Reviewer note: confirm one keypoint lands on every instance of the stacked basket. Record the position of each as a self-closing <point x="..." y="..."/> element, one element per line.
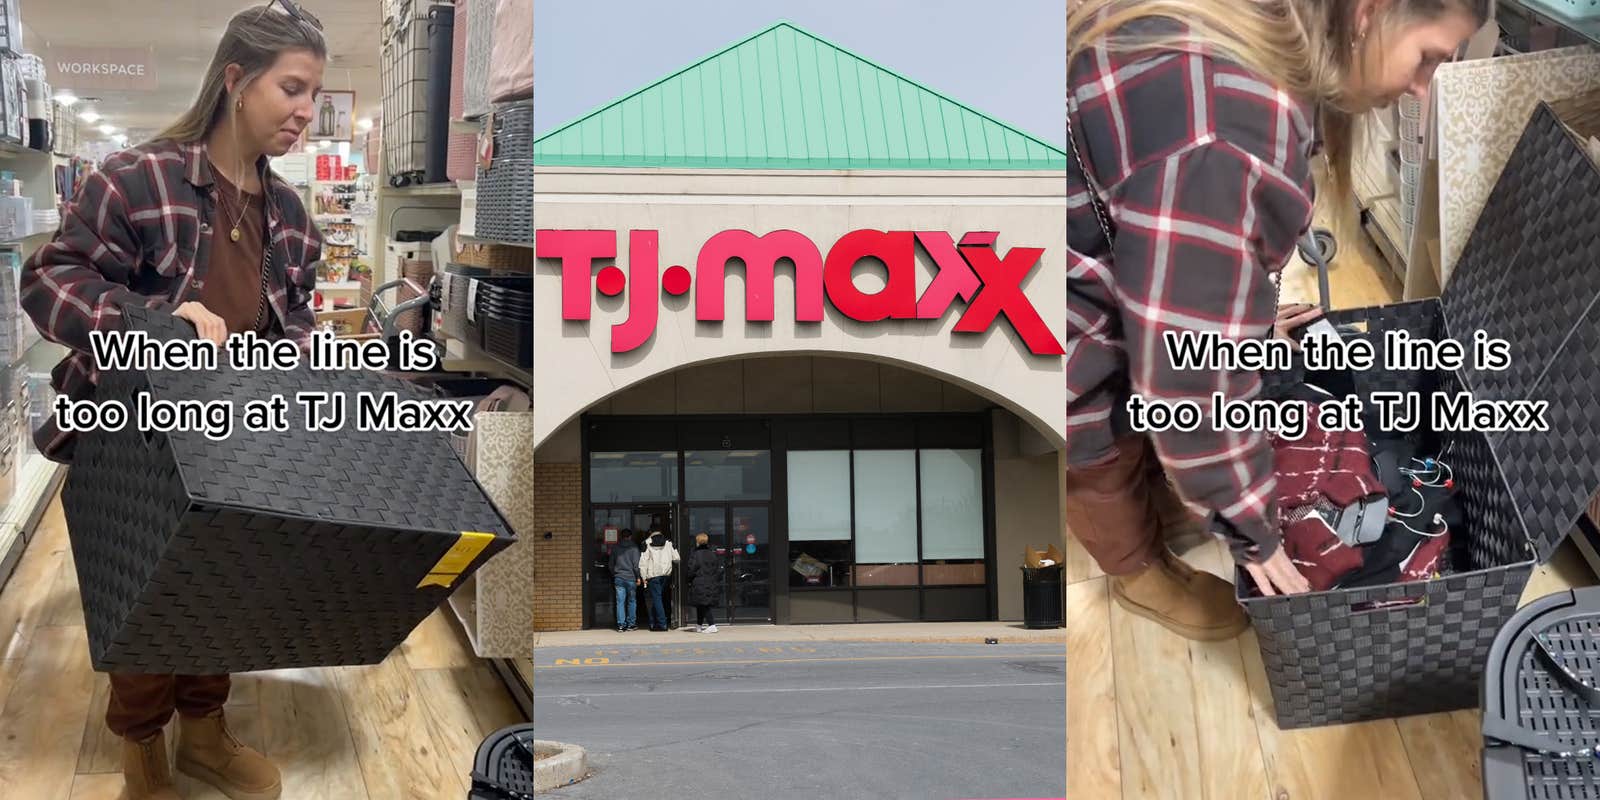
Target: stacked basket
<point x="505" y="188"/>
<point x="1409" y="137"/>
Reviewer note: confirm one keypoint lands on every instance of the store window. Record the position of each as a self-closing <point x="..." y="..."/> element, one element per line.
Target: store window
<point x="886" y="518"/>
<point x="952" y="517"/>
<point x="819" y="518"/>
<point x="723" y="475"/>
<point x="633" y="477"/>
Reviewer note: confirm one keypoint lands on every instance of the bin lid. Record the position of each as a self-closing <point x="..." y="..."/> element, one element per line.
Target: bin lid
<point x="410" y="480"/>
<point x="1530" y="275"/>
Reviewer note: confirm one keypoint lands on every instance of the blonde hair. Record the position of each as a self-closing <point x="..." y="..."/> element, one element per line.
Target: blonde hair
<point x="701" y="538"/>
<point x="1304" y="46"/>
<point x="254" y="39"/>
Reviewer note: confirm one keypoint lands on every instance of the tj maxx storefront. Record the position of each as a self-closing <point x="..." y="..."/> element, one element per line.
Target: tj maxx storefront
<point x="819" y="321"/>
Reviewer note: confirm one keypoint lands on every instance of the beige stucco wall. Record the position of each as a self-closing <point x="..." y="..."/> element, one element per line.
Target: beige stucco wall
<point x="575" y="368"/>
<point x="1027" y="506"/>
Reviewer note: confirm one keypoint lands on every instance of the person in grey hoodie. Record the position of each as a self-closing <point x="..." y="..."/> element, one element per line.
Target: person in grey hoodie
<point x="625" y="577"/>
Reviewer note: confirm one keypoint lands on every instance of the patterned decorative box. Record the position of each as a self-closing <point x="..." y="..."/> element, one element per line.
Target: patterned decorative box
<point x="265" y="550"/>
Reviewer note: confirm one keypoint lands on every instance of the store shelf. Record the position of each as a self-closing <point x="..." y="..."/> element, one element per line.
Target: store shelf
<point x="481" y="240"/>
<point x="1588" y="29"/>
<point x="37" y="482"/>
<point x="341" y="286"/>
<point x="466" y="357"/>
<point x="14" y="150"/>
<point x="423" y="190"/>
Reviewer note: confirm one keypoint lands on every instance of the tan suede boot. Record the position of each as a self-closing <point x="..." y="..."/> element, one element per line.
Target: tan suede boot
<point x="145" y="774"/>
<point x="208" y="751"/>
<point x="1193" y="604"/>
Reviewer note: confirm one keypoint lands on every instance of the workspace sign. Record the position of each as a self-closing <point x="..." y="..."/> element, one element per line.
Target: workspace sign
<point x="100" y="68"/>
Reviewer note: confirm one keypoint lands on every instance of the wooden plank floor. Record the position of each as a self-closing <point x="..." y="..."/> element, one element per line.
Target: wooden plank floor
<point x="1151" y="715"/>
<point x="407" y="728"/>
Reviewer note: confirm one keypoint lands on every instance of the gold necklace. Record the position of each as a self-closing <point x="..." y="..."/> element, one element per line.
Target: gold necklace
<point x="239" y="220"/>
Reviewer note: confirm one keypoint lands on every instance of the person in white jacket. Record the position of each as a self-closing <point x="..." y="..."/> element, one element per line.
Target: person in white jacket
<point x="655" y="566"/>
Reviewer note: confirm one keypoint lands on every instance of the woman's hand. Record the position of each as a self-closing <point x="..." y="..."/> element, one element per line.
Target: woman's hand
<point x="1293" y="316"/>
<point x="1278" y="575"/>
<point x="208" y="325"/>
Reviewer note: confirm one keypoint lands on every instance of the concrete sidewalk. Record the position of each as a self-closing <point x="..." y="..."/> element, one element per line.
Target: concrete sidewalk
<point x="942" y="632"/>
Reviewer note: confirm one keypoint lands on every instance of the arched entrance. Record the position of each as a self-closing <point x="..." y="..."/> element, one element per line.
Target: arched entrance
<point x="832" y="489"/>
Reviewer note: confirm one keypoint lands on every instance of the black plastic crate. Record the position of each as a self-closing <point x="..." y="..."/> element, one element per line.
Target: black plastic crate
<point x="1541" y="721"/>
<point x="1528" y="275"/>
<point x="509" y="338"/>
<point x="502" y="769"/>
<point x="264" y="550"/>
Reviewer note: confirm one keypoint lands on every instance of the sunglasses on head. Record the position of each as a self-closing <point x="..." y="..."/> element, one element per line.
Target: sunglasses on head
<point x="297" y="12"/>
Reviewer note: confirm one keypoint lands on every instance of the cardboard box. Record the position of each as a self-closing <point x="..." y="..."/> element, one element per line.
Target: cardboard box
<point x="1034" y="558"/>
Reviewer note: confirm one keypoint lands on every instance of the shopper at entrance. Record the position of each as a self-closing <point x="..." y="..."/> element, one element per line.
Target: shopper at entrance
<point x="655" y="566"/>
<point x="1189" y="182"/>
<point x="704" y="570"/>
<point x="195" y="223"/>
<point x="626" y="580"/>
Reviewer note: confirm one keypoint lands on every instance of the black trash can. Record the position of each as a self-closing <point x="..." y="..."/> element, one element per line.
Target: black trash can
<point x="1043" y="605"/>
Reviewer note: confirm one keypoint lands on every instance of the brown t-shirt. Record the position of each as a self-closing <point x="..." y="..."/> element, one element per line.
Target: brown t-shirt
<point x="233" y="279"/>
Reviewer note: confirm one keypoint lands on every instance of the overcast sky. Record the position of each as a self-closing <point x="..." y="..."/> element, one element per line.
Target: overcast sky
<point x="1007" y="59"/>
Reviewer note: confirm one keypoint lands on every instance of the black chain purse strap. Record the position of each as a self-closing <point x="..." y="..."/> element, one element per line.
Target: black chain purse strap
<point x="1100" y="213"/>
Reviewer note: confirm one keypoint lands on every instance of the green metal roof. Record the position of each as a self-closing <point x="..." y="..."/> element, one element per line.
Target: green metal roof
<point x="786" y="99"/>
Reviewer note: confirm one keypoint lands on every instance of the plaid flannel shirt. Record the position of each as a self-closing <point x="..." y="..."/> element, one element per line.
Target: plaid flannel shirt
<point x="139" y="232"/>
<point x="1204" y="169"/>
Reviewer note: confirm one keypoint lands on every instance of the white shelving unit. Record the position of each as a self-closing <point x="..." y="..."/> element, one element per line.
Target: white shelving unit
<point x="34" y="479"/>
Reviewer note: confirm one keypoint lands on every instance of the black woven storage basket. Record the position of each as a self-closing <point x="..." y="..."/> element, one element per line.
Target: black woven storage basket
<point x="502" y="769"/>
<point x="505" y="188"/>
<point x="1541" y="721"/>
<point x="1528" y="275"/>
<point x="264" y="550"/>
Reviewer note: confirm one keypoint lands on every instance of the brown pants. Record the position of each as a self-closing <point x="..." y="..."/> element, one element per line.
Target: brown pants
<point x="143" y="704"/>
<point x="1110" y="510"/>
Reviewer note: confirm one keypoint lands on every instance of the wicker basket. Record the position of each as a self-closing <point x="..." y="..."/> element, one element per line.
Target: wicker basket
<point x="418" y="274"/>
<point x="1526" y="276"/>
<point x="497" y="257"/>
<point x="265" y="550"/>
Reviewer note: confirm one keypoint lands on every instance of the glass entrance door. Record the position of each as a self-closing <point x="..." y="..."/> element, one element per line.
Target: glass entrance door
<point x="740" y="537"/>
<point x="613" y="524"/>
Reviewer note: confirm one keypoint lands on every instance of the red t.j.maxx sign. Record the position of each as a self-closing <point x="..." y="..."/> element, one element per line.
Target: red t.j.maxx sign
<point x="989" y="284"/>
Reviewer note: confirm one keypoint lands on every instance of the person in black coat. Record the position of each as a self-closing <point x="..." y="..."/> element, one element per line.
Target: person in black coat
<point x="704" y="570"/>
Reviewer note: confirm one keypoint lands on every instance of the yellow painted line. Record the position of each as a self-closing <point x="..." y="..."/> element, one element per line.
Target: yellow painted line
<point x="1062" y="655"/>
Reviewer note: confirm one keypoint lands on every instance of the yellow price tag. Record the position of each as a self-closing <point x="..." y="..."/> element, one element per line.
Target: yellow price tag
<point x="456" y="560"/>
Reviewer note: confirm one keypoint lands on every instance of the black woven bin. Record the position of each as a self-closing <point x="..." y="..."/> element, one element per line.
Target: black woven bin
<point x="265" y="550"/>
<point x="1529" y="276"/>
<point x="1541" y="715"/>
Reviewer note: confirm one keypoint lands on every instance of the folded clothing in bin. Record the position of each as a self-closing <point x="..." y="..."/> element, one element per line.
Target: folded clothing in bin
<point x="265" y="550"/>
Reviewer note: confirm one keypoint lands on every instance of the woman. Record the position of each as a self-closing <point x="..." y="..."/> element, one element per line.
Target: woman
<point x="704" y="570"/>
<point x="1189" y="182"/>
<point x="231" y="249"/>
<point x="655" y="567"/>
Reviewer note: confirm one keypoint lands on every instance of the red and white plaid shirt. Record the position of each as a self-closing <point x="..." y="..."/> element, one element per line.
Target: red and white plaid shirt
<point x="1204" y="169"/>
<point x="139" y="232"/>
